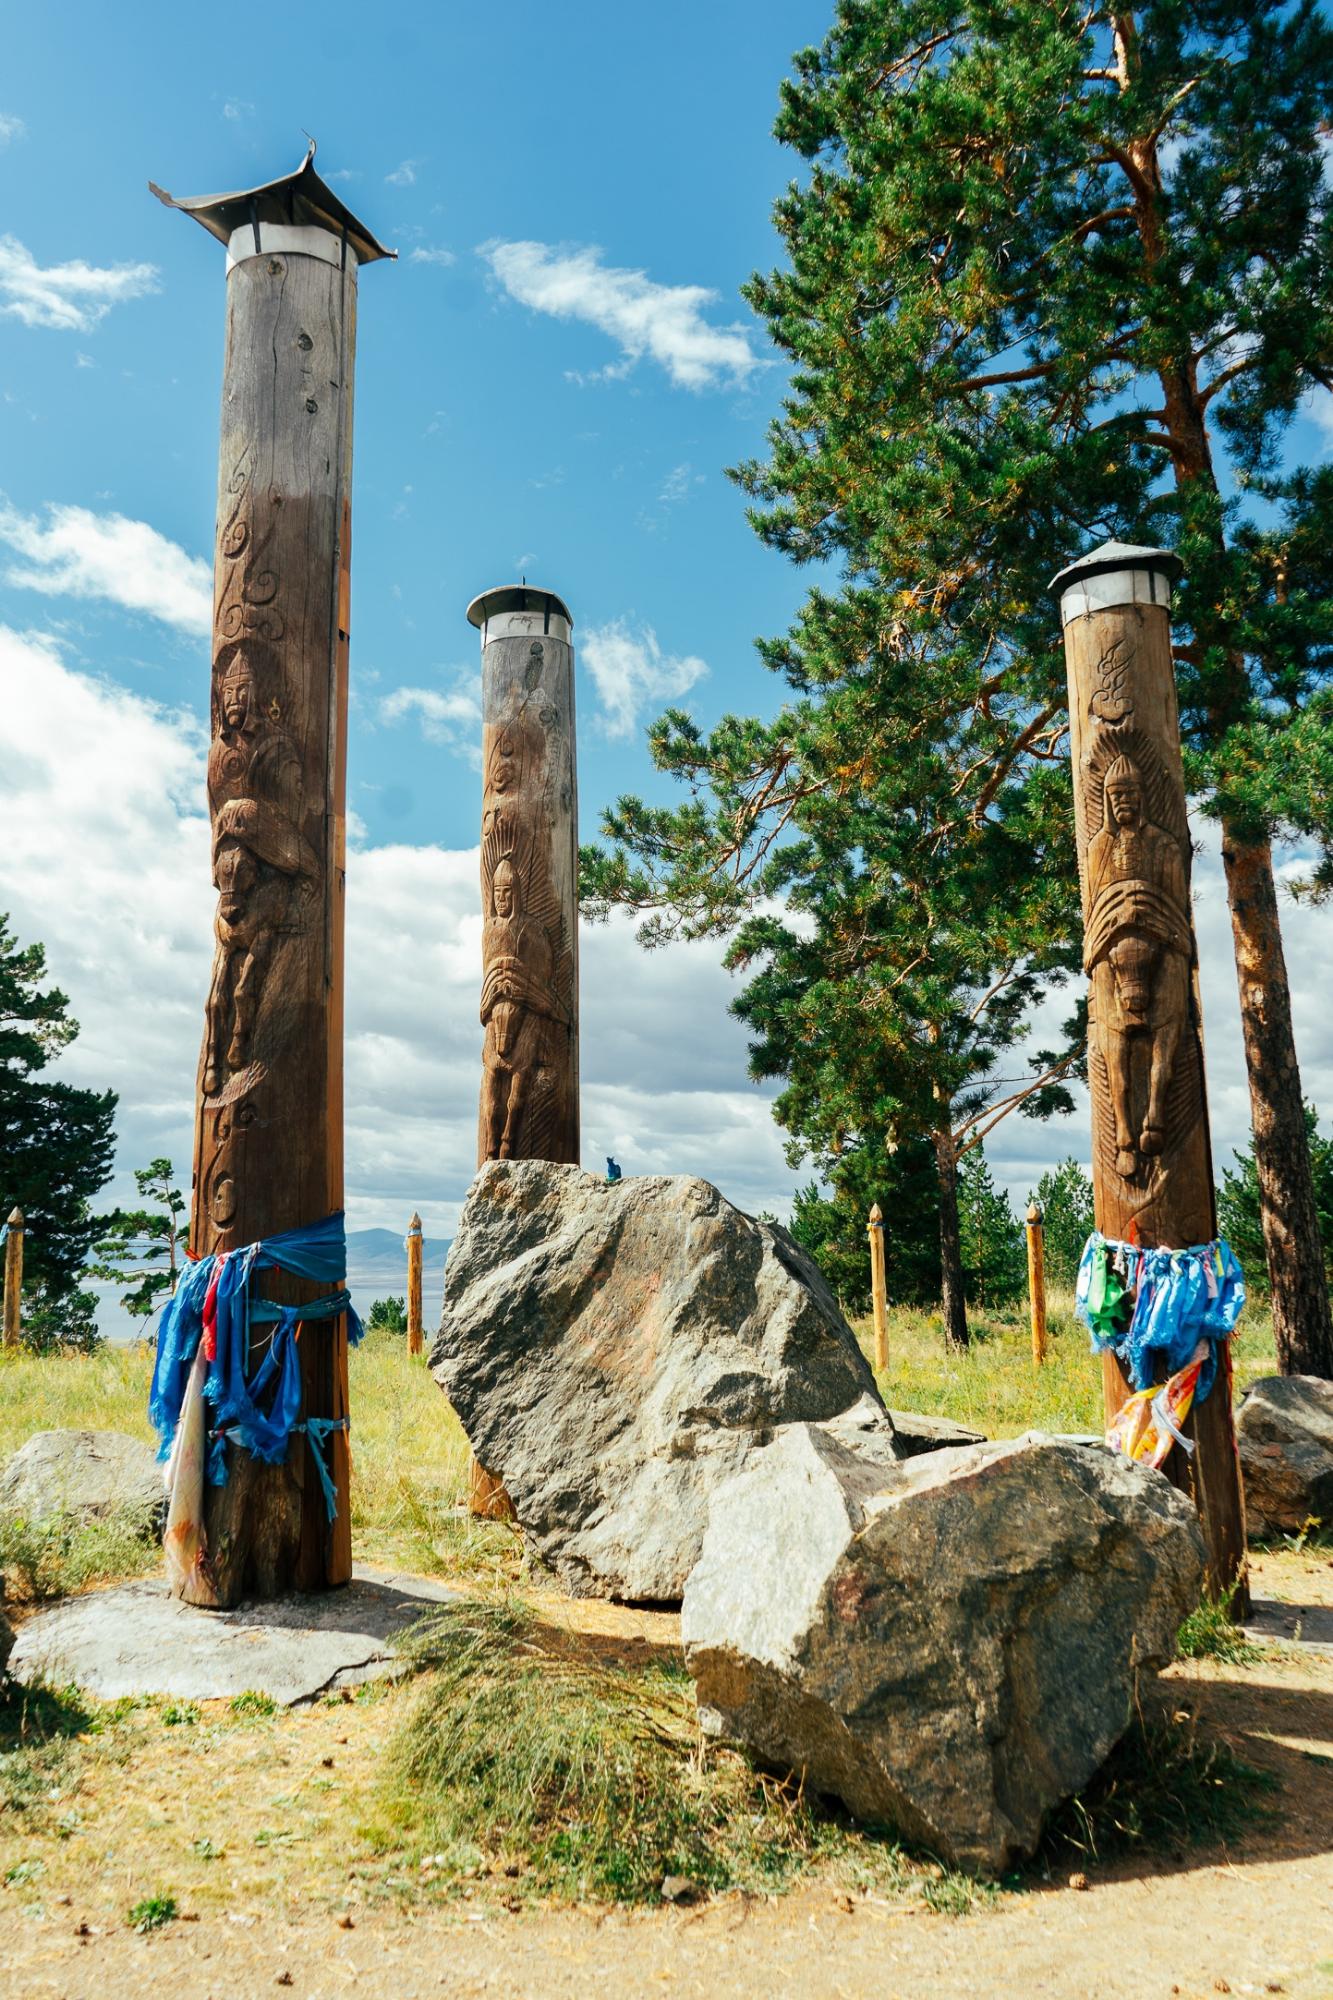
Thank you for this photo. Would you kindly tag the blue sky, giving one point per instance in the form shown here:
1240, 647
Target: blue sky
551, 379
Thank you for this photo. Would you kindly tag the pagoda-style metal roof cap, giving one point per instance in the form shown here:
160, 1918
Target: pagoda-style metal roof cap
1118, 555
298, 200
522, 599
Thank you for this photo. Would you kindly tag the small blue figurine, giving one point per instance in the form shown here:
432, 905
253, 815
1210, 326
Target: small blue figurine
613, 1172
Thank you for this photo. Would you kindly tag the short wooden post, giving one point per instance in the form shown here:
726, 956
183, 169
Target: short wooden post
1037, 1282
1152, 1169
878, 1299
13, 1278
414, 1250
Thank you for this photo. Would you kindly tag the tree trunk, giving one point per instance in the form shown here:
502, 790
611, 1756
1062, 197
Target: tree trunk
952, 1295
1297, 1279
1302, 1324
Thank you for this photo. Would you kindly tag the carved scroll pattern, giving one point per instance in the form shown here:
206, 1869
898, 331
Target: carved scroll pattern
527, 1001
1145, 1064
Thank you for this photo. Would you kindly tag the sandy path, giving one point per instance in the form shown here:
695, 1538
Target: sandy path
1257, 1919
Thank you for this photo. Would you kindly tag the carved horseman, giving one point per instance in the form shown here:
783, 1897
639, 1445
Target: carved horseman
1138, 952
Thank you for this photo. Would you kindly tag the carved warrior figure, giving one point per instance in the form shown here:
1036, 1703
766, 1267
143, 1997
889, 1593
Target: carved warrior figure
527, 966
1138, 952
263, 867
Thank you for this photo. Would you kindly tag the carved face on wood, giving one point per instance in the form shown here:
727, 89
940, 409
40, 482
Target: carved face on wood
236, 696
506, 768
1124, 794
504, 891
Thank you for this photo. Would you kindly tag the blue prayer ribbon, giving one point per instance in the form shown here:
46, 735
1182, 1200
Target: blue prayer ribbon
1174, 1306
259, 1411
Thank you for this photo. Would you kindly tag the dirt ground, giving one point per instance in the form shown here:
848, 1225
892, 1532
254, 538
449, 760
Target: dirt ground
1254, 1918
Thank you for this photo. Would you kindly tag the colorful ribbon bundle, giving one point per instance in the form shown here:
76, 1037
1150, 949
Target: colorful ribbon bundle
1155, 1310
208, 1323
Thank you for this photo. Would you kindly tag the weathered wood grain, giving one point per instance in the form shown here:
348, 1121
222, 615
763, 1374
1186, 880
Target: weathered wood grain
269, 1125
1151, 1157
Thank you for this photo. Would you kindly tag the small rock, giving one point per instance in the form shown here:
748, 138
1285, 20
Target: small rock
1284, 1431
346, 1922
1078, 1881
680, 1889
327, 1762
917, 1434
1221, 1986
81, 1476
950, 1645
615, 1352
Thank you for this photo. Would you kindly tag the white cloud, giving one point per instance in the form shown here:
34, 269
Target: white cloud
106, 849
237, 108
676, 486
448, 716
403, 176
424, 255
665, 322
81, 554
72, 297
11, 128
1317, 405
630, 671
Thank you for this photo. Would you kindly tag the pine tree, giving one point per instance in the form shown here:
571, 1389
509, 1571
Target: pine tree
1240, 1204
831, 1223
994, 1251
55, 1141
1057, 274
141, 1248
1064, 1196
892, 878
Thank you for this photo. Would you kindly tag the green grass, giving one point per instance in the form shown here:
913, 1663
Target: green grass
529, 1766
1209, 1633
994, 1385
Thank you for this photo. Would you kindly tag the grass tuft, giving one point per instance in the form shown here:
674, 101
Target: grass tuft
532, 1764
1164, 1788
151, 1913
44, 1559
1210, 1633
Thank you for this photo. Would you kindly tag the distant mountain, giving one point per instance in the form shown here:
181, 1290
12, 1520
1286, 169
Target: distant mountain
376, 1269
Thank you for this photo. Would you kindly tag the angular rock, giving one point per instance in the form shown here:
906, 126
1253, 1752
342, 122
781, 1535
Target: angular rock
916, 1433
616, 1351
80, 1476
1284, 1429
948, 1645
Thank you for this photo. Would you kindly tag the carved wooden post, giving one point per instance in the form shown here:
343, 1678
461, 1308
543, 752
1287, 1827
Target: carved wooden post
529, 878
13, 1277
1151, 1163
529, 894
878, 1296
414, 1249
1037, 1282
268, 1150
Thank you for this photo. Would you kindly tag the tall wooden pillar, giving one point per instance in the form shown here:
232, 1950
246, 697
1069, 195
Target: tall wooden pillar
529, 879
268, 1152
1151, 1158
529, 1106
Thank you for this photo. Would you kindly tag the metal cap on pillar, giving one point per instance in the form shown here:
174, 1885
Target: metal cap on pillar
298, 214
1116, 573
518, 611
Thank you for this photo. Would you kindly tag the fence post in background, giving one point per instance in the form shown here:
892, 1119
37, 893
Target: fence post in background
1037, 1282
875, 1231
414, 1250
13, 1277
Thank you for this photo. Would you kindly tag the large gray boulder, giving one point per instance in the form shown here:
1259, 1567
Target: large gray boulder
615, 1352
948, 1645
78, 1476
1285, 1432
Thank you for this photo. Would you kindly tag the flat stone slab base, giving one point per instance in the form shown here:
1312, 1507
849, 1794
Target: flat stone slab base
133, 1639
